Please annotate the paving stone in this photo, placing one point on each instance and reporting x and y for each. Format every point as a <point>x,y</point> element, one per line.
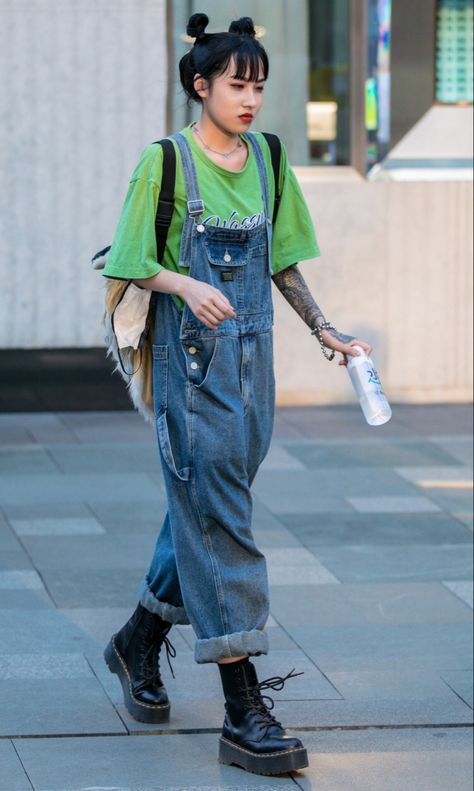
<point>101,622</point>
<point>8,539</point>
<point>419,759</point>
<point>112,587</point>
<point>32,666</point>
<point>372,713</point>
<point>460,448</point>
<point>351,604</point>
<point>293,556</point>
<point>383,646</point>
<point>18,579</point>
<point>262,517</point>
<point>91,551</point>
<point>14,560</point>
<point>462,588</point>
<point>116,457</point>
<point>14,777</point>
<point>465,519</point>
<point>72,488</point>
<point>295,562</point>
<point>14,435</point>
<point>316,574</point>
<point>428,477</point>
<point>370,454</point>
<point>278,458</point>
<point>279,639</point>
<point>139,516</point>
<point>46,510</point>
<point>281,537</point>
<point>54,706</point>
<point>24,599</point>
<point>56,526</point>
<point>366,563</point>
<point>313,491</point>
<point>380,530</point>
<point>138,763</point>
<point>48,429</point>
<point>399,683</point>
<point>133,434</point>
<point>391,504</point>
<point>460,681</point>
<point>339,421</point>
<point>29,461</point>
<point>454,501</point>
<point>37,630</point>
<point>430,418</point>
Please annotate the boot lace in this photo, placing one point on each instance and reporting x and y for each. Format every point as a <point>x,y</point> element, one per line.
<point>151,657</point>
<point>256,699</point>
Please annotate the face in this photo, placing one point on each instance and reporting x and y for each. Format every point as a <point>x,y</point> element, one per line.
<point>231,104</point>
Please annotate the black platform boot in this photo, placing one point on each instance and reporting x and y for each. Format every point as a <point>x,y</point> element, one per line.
<point>251,737</point>
<point>133,654</point>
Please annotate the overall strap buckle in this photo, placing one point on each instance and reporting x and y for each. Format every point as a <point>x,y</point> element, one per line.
<point>195,208</point>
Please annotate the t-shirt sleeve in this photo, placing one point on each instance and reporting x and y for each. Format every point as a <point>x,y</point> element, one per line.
<point>294,237</point>
<point>133,249</point>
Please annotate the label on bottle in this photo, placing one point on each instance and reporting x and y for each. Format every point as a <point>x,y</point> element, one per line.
<point>373,377</point>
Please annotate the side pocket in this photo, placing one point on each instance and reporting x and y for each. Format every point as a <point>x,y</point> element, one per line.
<point>160,405</point>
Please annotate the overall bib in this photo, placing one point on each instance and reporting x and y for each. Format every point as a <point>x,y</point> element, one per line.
<point>214,397</point>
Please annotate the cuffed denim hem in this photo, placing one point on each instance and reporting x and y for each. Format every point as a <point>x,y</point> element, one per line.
<point>168,612</point>
<point>236,644</point>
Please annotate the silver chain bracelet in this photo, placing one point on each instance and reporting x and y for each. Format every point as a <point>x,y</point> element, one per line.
<point>325,325</point>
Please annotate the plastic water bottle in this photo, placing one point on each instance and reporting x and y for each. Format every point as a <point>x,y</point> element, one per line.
<point>368,388</point>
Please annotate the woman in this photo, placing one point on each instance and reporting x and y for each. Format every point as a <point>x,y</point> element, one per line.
<point>214,386</point>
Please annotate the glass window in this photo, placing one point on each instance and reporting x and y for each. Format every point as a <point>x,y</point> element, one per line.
<point>454,48</point>
<point>327,111</point>
<point>377,84</point>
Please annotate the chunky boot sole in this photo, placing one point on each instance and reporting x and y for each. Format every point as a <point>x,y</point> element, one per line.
<point>263,763</point>
<point>144,712</point>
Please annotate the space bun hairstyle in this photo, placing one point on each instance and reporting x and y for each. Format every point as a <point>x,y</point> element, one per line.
<point>212,53</point>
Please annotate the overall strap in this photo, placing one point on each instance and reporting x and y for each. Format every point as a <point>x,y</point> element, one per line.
<point>195,204</point>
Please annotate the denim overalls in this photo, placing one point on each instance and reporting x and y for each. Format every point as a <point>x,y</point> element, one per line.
<point>214,396</point>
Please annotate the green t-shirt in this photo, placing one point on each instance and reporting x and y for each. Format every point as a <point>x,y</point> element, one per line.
<point>231,200</point>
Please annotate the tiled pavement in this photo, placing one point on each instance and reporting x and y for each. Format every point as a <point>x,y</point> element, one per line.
<point>367,534</point>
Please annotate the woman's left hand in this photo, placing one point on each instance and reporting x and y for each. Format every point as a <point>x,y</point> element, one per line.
<point>346,349</point>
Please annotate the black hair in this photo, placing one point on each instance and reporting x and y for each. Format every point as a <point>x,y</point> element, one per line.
<point>212,52</point>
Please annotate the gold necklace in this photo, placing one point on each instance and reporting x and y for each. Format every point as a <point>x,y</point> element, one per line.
<point>226,155</point>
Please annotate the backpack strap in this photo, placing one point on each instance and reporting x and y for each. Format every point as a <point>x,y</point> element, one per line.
<point>164,214</point>
<point>164,210</point>
<point>274,145</point>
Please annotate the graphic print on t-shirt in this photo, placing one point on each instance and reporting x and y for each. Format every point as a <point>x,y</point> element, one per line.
<point>233,222</point>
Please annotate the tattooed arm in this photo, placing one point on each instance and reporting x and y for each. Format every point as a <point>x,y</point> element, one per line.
<point>293,287</point>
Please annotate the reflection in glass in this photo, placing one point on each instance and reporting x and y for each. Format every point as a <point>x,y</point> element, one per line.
<point>327,112</point>
<point>377,85</point>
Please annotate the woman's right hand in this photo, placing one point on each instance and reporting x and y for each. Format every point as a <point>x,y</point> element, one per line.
<point>207,303</point>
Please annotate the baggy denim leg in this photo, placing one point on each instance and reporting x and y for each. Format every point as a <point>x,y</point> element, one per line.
<point>160,590</point>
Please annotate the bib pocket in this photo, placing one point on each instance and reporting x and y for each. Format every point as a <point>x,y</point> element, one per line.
<point>160,405</point>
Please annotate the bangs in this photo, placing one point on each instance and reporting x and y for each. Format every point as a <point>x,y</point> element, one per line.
<point>249,61</point>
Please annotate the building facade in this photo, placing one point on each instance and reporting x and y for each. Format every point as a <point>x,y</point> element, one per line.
<point>378,127</point>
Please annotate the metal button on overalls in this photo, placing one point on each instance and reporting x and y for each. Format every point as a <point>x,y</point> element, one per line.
<point>214,429</point>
